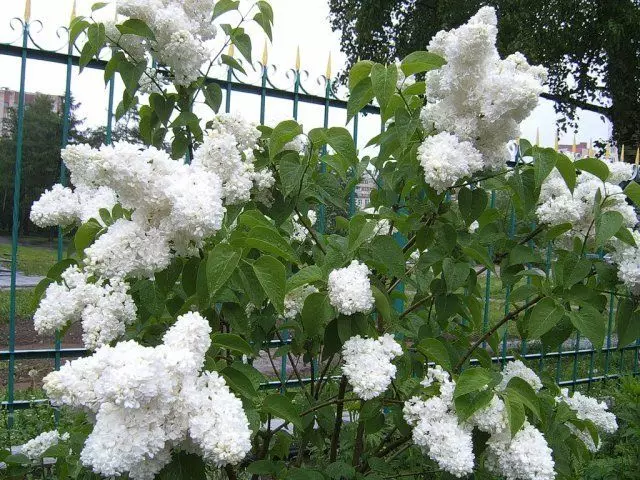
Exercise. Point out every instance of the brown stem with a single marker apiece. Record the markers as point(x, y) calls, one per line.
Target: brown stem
point(393, 445)
point(310, 230)
point(358, 447)
point(415, 306)
point(323, 372)
point(231, 473)
point(275, 370)
point(494, 329)
point(338, 425)
point(500, 256)
point(333, 401)
point(296, 372)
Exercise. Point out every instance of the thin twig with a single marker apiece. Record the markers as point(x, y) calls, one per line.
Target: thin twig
point(296, 372)
point(323, 372)
point(310, 230)
point(338, 425)
point(494, 329)
point(415, 306)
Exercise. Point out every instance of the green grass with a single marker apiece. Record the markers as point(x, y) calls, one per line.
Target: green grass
point(31, 260)
point(24, 304)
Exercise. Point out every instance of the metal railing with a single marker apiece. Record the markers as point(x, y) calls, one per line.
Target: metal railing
point(586, 365)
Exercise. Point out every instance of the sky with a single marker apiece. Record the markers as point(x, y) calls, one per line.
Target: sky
point(299, 24)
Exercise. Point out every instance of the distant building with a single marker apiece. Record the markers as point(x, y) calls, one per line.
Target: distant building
point(363, 190)
point(9, 100)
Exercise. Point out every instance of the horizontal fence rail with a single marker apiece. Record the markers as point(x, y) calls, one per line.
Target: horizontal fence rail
point(583, 371)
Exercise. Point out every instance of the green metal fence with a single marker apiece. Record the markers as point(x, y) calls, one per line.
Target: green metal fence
point(579, 363)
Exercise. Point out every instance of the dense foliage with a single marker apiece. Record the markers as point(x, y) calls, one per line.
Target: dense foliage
point(590, 47)
point(182, 274)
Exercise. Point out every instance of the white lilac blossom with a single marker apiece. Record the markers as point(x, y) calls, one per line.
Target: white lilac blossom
point(559, 205)
point(127, 249)
point(492, 418)
point(181, 29)
point(526, 456)
point(147, 401)
point(367, 364)
point(350, 290)
point(436, 429)
point(35, 448)
point(519, 369)
point(477, 96)
point(300, 232)
point(445, 160)
point(589, 408)
point(473, 226)
point(104, 309)
point(403, 81)
point(294, 300)
point(627, 257)
point(227, 151)
point(298, 144)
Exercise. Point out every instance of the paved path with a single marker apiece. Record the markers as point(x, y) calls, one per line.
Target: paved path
point(22, 281)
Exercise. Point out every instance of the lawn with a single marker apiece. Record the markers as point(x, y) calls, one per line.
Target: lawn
point(31, 260)
point(24, 304)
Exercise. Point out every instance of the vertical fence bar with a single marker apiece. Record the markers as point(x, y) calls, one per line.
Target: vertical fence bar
point(507, 293)
point(547, 270)
point(575, 362)
point(15, 225)
point(487, 285)
point(227, 97)
point(263, 92)
point(352, 193)
point(609, 327)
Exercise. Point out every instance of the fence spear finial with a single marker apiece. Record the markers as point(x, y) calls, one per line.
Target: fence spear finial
point(298, 58)
point(232, 50)
point(638, 156)
point(73, 10)
point(556, 143)
point(622, 153)
point(607, 151)
point(265, 55)
point(574, 147)
point(537, 136)
point(27, 11)
point(328, 72)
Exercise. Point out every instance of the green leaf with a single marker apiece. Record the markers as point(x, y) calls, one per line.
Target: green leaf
point(382, 303)
point(455, 274)
point(224, 6)
point(213, 96)
point(473, 380)
point(231, 341)
point(591, 323)
point(545, 315)
point(270, 241)
point(468, 404)
point(340, 471)
point(544, 159)
point(304, 474)
point(266, 467)
point(607, 225)
point(134, 26)
point(292, 175)
point(221, 263)
point(383, 82)
point(360, 230)
point(515, 412)
point(232, 62)
point(421, 61)
point(239, 382)
point(282, 134)
point(435, 351)
point(341, 141)
point(387, 251)
point(471, 203)
point(85, 235)
point(525, 393)
point(567, 169)
point(593, 166)
point(281, 406)
point(632, 190)
point(317, 312)
point(557, 230)
point(627, 323)
point(272, 277)
point(78, 25)
point(242, 41)
point(359, 72)
point(307, 275)
point(360, 97)
point(56, 270)
point(574, 270)
point(625, 235)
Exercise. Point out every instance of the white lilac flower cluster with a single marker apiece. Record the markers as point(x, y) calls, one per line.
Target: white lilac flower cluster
point(367, 364)
point(403, 81)
point(181, 28)
point(558, 205)
point(35, 448)
point(228, 151)
point(518, 369)
point(103, 308)
point(436, 429)
point(589, 408)
point(627, 257)
point(148, 401)
point(478, 98)
point(294, 300)
point(445, 159)
point(350, 290)
point(63, 206)
point(299, 144)
point(300, 232)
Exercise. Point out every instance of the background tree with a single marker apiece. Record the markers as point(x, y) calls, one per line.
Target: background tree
point(41, 156)
point(592, 48)
point(125, 130)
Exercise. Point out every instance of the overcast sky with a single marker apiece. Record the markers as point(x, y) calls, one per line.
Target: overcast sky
point(302, 23)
